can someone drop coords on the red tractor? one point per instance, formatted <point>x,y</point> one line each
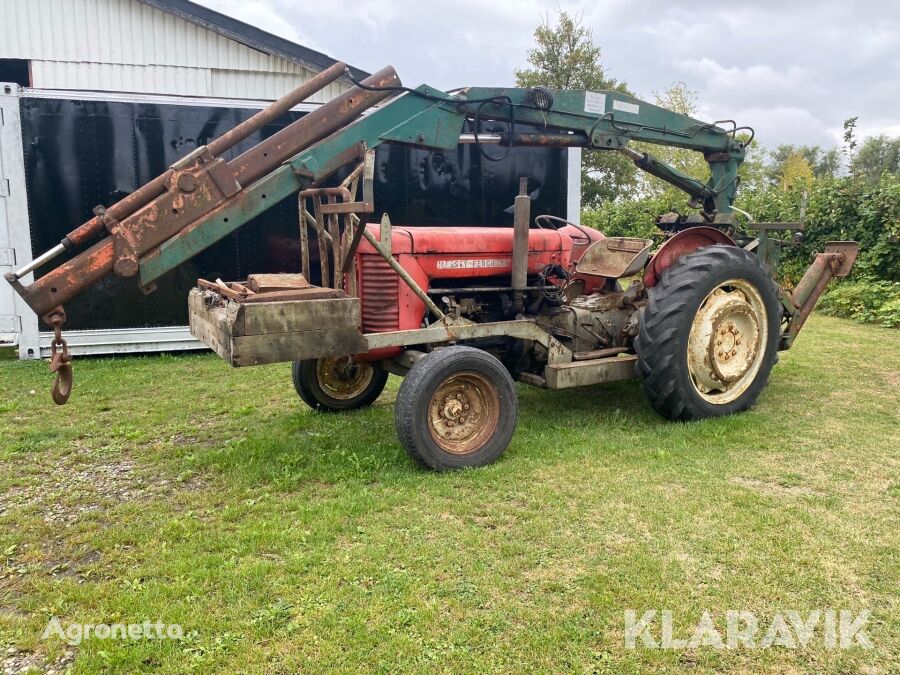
<point>460,313</point>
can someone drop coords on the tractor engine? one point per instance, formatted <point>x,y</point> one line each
<point>467,271</point>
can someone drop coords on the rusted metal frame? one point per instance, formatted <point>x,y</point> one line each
<point>836,261</point>
<point>348,264</point>
<point>314,126</point>
<point>810,287</point>
<point>152,190</point>
<point>194,194</point>
<point>447,330</point>
<point>174,210</point>
<point>336,209</point>
<point>328,231</point>
<point>308,167</point>
<point>595,371</point>
<point>304,236</point>
<point>277,109</point>
<point>320,237</point>
<point>335,231</point>
<point>353,221</point>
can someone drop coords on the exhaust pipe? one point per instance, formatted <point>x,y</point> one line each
<point>521,223</point>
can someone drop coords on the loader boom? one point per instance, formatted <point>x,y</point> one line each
<point>203,198</point>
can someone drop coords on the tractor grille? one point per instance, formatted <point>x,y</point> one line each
<point>380,293</point>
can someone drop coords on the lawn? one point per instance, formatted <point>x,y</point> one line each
<point>174,488</point>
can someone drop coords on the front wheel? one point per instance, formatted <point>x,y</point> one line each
<point>709,335</point>
<point>338,383</point>
<point>456,408</point>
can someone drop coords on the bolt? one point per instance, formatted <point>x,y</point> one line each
<point>449,423</point>
<point>465,406</point>
<point>719,343</point>
<point>459,397</point>
<point>737,341</point>
<point>462,420</point>
<point>734,352</point>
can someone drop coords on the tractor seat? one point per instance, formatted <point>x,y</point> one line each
<point>615,257</point>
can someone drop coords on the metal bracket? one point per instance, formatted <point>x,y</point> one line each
<point>125,259</point>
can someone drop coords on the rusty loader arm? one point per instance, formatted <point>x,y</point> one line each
<point>202,198</point>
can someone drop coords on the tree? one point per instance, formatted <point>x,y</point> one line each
<point>823,163</point>
<point>850,138</point>
<point>877,155</point>
<point>677,98</point>
<point>565,57</point>
<point>796,172</point>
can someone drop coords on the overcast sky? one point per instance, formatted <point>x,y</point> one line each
<point>793,69</point>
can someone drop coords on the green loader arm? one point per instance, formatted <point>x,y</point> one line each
<point>429,118</point>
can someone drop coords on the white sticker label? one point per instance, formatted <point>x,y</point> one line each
<point>624,106</point>
<point>594,102</point>
<point>472,264</point>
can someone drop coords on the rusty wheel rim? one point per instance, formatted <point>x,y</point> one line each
<point>464,413</point>
<point>727,342</point>
<point>342,378</point>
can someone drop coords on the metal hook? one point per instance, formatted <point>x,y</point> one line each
<point>62,384</point>
<point>60,360</point>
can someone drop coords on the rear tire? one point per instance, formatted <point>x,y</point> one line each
<point>456,408</point>
<point>709,335</point>
<point>336,384</point>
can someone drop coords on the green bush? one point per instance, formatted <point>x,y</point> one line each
<point>836,209</point>
<point>868,301</point>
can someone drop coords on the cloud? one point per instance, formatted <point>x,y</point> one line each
<point>794,70</point>
<point>263,14</point>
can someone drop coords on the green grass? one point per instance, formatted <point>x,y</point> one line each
<point>178,489</point>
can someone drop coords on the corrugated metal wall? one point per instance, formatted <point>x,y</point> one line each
<point>127,46</point>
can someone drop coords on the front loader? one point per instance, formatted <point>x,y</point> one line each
<point>460,312</point>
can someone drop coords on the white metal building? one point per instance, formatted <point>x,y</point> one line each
<point>153,51</point>
<point>135,51</point>
<point>172,47</point>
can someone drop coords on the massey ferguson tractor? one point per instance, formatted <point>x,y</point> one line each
<point>460,312</point>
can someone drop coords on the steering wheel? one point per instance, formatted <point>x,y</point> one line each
<point>547,222</point>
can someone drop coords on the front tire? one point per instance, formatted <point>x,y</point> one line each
<point>338,383</point>
<point>709,335</point>
<point>456,408</point>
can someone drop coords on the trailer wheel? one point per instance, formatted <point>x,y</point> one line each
<point>709,335</point>
<point>338,383</point>
<point>456,408</point>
